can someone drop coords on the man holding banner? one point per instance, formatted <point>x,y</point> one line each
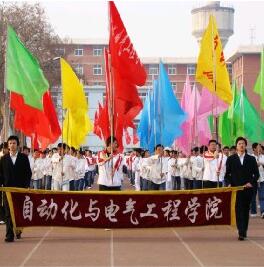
<point>242,170</point>
<point>14,172</point>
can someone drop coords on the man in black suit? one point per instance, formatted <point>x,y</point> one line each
<point>242,170</point>
<point>14,172</point>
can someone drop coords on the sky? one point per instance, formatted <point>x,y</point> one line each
<point>156,28</point>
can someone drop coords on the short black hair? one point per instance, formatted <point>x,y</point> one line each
<point>212,141</point>
<point>254,145</point>
<point>13,137</point>
<point>62,145</point>
<point>158,145</point>
<point>233,147</point>
<point>226,147</point>
<point>25,148</point>
<point>203,149</point>
<point>240,138</point>
<point>108,140</point>
<point>196,149</point>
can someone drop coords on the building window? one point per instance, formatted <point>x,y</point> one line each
<point>153,70</point>
<point>142,96</point>
<point>79,69</point>
<point>97,69</point>
<point>97,52</point>
<point>174,86</point>
<point>191,69</point>
<point>136,123</point>
<point>229,69</point>
<point>171,69</point>
<point>78,52</point>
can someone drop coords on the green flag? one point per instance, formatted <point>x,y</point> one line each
<point>247,120</point>
<point>225,129</point>
<point>235,96</point>
<point>259,85</point>
<point>23,73</point>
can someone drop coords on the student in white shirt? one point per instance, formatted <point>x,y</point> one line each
<point>166,157</point>
<point>136,168</point>
<point>35,165</point>
<point>110,167</point>
<point>145,171</point>
<point>62,169</point>
<point>90,167</point>
<point>71,155</point>
<point>80,171</point>
<point>211,167</point>
<point>174,171</point>
<point>158,169</point>
<point>198,168</point>
<point>48,171</point>
<point>260,162</point>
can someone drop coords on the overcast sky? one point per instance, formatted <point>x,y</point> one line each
<point>156,28</point>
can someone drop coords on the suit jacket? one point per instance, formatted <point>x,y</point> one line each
<point>238,174</point>
<point>15,175</point>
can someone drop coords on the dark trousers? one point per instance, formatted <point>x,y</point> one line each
<point>243,201</point>
<point>154,186</point>
<point>188,184</point>
<point>72,185</point>
<point>210,184</point>
<point>146,185</point>
<point>253,206</point>
<point>198,184</point>
<point>176,182</point>
<point>8,220</point>
<point>47,182</point>
<point>109,188</point>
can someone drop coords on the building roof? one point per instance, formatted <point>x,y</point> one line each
<point>89,41</point>
<point>245,49</point>
<point>168,60</point>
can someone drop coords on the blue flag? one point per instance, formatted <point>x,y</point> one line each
<point>145,125</point>
<point>162,116</point>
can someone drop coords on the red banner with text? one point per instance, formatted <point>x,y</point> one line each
<point>122,209</point>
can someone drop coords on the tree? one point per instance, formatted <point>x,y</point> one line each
<point>31,24</point>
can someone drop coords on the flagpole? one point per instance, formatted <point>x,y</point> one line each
<point>62,128</point>
<point>111,114</point>
<point>215,119</point>
<point>160,122</point>
<point>6,96</point>
<point>261,86</point>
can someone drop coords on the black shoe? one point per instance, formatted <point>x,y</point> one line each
<point>8,239</point>
<point>241,238</point>
<point>18,235</point>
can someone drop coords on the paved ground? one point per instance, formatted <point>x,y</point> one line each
<point>210,246</point>
<point>200,246</point>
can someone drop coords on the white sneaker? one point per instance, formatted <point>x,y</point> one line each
<point>262,215</point>
<point>253,215</point>
<point>2,222</point>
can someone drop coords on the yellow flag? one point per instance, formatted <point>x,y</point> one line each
<point>76,124</point>
<point>211,61</point>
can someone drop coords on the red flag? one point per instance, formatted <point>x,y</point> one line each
<point>124,58</point>
<point>127,136</point>
<point>34,142</point>
<point>135,137</point>
<point>96,129</point>
<point>126,72</point>
<point>43,125</point>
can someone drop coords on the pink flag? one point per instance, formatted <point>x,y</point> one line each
<point>184,142</point>
<point>211,104</point>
